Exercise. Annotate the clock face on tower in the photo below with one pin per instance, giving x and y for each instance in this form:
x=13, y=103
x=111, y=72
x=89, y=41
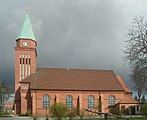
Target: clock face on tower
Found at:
x=25, y=43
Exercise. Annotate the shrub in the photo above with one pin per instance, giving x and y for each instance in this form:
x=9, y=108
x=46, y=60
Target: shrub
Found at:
x=82, y=114
x=46, y=118
x=100, y=104
x=143, y=109
x=22, y=114
x=71, y=113
x=114, y=110
x=28, y=113
x=35, y=117
x=1, y=114
x=128, y=111
x=58, y=110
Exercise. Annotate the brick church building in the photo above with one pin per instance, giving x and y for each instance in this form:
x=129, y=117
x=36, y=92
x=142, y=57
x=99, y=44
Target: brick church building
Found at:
x=36, y=89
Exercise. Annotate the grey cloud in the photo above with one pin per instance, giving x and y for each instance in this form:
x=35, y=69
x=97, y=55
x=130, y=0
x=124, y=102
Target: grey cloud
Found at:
x=70, y=33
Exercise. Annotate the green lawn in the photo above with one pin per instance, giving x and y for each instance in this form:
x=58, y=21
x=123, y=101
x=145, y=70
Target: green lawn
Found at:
x=140, y=118
x=131, y=118
x=94, y=118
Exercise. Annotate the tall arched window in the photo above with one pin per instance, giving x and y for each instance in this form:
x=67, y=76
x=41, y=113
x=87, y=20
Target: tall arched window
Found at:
x=90, y=101
x=69, y=101
x=111, y=100
x=45, y=101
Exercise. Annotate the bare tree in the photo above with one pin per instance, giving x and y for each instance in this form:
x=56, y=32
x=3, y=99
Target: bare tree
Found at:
x=136, y=54
x=5, y=92
x=139, y=81
x=136, y=48
x=2, y=90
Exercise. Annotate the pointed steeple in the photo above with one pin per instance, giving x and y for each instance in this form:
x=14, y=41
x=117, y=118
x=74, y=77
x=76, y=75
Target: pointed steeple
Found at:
x=26, y=30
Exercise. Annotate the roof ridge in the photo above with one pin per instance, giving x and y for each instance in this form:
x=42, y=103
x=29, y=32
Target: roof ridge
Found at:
x=72, y=68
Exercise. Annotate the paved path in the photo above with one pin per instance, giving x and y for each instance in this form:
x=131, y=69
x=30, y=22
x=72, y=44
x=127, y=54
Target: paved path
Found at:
x=15, y=118
x=22, y=118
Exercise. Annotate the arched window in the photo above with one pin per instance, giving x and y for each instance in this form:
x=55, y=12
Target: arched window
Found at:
x=46, y=101
x=111, y=100
x=69, y=101
x=90, y=101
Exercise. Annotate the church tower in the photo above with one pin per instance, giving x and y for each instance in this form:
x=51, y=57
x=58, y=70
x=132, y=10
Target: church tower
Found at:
x=25, y=57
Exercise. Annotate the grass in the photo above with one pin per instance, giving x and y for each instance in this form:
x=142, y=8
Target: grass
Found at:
x=5, y=115
x=140, y=118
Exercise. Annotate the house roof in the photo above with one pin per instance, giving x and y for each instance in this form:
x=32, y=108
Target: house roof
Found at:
x=123, y=84
x=73, y=79
x=127, y=99
x=26, y=30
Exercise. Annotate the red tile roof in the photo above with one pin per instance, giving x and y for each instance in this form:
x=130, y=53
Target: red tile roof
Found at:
x=123, y=84
x=128, y=100
x=73, y=79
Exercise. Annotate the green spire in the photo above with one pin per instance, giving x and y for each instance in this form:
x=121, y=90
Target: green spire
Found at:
x=26, y=30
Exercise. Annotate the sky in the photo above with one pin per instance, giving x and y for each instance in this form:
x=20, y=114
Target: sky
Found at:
x=87, y=34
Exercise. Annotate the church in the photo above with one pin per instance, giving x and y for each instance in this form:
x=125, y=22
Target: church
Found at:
x=36, y=89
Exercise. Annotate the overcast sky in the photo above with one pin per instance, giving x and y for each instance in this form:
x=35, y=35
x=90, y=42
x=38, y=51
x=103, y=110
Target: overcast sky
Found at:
x=70, y=33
